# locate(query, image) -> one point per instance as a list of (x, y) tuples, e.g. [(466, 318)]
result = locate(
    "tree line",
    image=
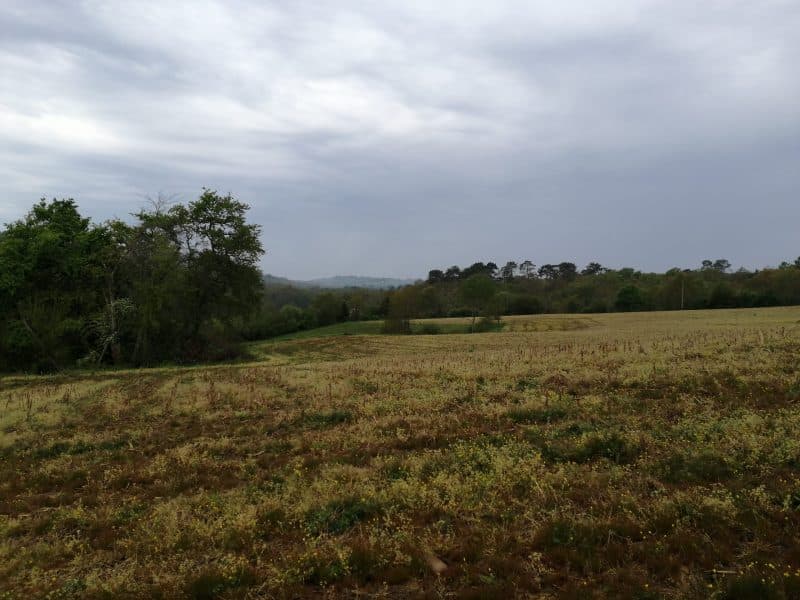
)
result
[(177, 284), (524, 288), (285, 309), (181, 283), (483, 292)]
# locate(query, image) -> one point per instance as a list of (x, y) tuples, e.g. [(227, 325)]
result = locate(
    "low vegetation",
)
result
[(641, 455)]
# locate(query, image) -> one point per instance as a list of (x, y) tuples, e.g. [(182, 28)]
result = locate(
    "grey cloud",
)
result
[(389, 138)]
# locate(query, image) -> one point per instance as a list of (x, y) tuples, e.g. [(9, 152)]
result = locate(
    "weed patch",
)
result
[(536, 415), (705, 467), (338, 516), (325, 419)]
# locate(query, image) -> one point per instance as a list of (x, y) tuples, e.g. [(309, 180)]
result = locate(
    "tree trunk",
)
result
[(137, 346)]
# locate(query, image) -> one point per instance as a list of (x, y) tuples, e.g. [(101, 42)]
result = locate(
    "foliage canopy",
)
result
[(170, 286)]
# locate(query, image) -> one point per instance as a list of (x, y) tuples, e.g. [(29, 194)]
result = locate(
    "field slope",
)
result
[(630, 455)]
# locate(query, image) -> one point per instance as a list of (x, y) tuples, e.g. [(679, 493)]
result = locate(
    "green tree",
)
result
[(49, 282), (453, 273), (527, 269), (548, 271), (328, 308), (476, 292), (155, 279), (436, 276), (722, 296), (720, 265), (629, 298), (403, 305), (474, 269), (508, 271), (567, 271), (593, 268), (218, 252)]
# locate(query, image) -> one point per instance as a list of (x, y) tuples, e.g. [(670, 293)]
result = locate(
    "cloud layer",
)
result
[(388, 138)]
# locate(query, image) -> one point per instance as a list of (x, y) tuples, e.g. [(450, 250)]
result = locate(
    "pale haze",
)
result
[(388, 138)]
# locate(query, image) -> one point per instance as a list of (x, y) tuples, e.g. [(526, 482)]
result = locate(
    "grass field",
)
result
[(449, 325), (641, 455)]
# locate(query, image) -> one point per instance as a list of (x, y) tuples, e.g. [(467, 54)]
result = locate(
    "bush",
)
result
[(613, 447), (340, 515), (705, 467), (487, 324), (396, 326), (430, 329), (271, 323), (326, 419), (212, 583)]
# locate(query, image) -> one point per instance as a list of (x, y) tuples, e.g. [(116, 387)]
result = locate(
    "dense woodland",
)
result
[(181, 283), (489, 291), (564, 288), (172, 286)]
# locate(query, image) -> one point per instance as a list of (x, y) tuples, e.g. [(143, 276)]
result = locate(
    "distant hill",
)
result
[(341, 281), (275, 280), (344, 281)]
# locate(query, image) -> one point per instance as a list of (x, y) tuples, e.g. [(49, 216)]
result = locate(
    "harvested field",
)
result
[(637, 455)]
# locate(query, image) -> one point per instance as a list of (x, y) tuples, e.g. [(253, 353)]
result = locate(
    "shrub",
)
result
[(340, 515), (705, 467), (612, 447), (326, 419), (487, 324), (430, 329), (213, 582), (396, 326), (526, 383)]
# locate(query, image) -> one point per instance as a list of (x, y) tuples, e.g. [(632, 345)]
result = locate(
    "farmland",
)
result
[(640, 455)]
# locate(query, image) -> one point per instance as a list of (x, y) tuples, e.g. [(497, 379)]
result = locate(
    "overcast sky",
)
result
[(387, 138)]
